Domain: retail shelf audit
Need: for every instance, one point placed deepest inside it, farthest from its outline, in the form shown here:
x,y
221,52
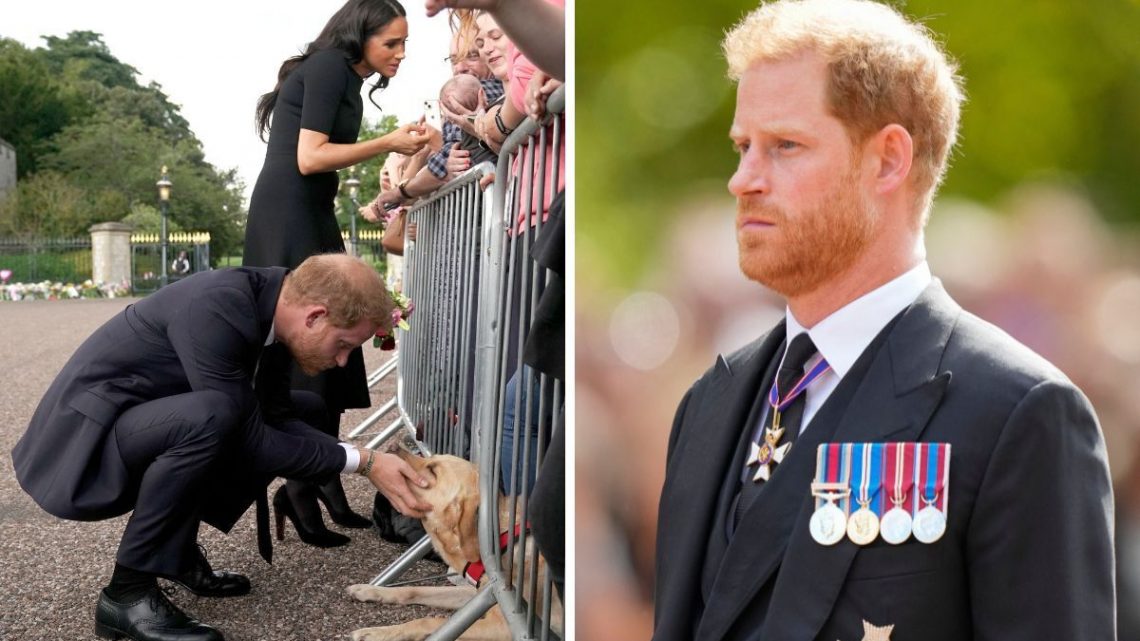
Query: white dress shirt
x,y
843,336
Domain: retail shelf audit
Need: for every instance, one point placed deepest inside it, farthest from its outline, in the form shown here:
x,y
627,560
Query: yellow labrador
x,y
453,493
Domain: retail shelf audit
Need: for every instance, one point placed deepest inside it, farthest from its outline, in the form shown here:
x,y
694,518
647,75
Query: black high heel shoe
x,y
305,516
332,495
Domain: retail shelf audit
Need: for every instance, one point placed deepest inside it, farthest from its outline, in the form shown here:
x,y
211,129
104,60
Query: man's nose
x,y
751,175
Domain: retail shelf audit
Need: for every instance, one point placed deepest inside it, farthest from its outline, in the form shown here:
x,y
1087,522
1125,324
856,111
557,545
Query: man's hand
x,y
392,477
406,140
435,6
458,161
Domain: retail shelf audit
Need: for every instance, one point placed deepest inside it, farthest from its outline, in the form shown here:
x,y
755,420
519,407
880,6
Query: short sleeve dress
x,y
291,216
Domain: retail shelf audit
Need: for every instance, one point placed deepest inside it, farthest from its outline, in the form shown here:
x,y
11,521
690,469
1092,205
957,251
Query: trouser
x,y
548,507
527,417
171,447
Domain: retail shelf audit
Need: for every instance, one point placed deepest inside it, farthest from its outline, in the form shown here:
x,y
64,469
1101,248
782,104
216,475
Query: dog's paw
x,y
384,633
369,593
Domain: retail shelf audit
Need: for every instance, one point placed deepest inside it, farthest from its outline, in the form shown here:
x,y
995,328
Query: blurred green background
x,y
1053,90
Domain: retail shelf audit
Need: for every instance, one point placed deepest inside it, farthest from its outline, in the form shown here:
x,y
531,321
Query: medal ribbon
x,y
866,463
780,404
898,472
933,471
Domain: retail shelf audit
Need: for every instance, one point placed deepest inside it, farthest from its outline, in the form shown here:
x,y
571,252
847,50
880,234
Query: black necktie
x,y
791,371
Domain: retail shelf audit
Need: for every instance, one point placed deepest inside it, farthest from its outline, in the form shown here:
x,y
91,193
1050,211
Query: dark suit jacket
x,y
205,332
1028,549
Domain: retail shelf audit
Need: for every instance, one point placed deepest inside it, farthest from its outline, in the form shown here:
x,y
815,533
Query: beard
x,y
307,354
814,246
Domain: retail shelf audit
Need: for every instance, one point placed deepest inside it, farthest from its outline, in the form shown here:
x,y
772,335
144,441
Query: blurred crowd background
x,y
1037,229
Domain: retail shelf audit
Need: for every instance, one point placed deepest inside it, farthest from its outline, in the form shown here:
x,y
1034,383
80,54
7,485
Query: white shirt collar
x,y
272,338
842,336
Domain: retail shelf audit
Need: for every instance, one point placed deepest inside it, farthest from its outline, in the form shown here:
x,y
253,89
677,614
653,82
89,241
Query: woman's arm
x,y
315,154
537,27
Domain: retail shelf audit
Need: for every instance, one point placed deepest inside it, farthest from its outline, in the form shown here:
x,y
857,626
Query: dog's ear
x,y
462,533
469,526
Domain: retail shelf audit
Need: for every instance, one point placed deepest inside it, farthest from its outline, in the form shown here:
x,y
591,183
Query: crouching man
x,y
179,409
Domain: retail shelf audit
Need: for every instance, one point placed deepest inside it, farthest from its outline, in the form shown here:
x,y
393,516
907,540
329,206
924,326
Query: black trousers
x,y
171,447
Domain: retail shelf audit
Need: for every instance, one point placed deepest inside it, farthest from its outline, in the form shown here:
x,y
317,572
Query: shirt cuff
x,y
352,458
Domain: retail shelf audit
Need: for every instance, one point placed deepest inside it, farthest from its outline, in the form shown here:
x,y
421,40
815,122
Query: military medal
x,y
770,453
863,524
933,463
828,523
896,524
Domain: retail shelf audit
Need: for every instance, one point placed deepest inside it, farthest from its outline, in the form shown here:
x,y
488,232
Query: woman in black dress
x,y
316,112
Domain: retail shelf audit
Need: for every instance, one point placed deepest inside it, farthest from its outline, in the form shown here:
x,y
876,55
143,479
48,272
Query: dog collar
x,y
473,572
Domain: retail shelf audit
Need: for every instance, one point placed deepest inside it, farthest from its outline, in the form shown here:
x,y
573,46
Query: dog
x,y
453,493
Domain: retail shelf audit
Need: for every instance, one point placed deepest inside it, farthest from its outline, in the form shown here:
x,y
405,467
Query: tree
x,y
80,113
84,55
46,204
33,107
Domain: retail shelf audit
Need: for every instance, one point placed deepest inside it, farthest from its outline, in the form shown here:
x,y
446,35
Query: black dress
x,y
291,216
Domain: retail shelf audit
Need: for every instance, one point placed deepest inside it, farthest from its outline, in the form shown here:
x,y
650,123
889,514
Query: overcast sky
x,y
214,58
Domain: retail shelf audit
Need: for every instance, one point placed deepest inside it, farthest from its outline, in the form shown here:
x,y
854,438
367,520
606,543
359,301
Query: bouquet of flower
x,y
400,315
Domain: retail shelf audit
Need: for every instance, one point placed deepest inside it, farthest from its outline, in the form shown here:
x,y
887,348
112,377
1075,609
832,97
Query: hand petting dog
x,y
392,476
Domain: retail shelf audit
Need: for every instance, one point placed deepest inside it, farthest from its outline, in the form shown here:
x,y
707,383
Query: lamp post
x,y
353,185
164,186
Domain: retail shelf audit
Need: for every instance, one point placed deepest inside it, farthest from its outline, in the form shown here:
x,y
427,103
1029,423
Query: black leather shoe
x,y
204,581
151,618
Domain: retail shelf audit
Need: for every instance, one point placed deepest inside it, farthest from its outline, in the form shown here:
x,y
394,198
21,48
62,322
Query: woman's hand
x,y
459,116
538,90
435,6
487,131
407,140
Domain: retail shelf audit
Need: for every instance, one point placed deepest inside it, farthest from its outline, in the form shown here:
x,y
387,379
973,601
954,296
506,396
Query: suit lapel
x,y
707,444
893,401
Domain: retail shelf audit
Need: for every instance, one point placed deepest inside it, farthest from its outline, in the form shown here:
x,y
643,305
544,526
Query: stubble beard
x,y
306,353
817,246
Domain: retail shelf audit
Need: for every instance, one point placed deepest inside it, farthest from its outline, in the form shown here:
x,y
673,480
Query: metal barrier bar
x,y
503,325
470,275
418,551
383,371
373,418
433,365
464,617
441,267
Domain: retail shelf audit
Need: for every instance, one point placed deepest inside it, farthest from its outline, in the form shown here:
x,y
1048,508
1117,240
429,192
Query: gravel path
x,y
51,570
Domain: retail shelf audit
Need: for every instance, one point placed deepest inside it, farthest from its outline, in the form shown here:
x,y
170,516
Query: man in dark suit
x,y
845,116
180,410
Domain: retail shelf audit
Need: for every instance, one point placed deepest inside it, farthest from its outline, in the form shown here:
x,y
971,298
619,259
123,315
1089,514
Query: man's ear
x,y
314,313
892,150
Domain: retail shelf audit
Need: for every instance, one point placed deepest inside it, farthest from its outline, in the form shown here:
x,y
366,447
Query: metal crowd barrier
x,y
526,599
436,364
474,286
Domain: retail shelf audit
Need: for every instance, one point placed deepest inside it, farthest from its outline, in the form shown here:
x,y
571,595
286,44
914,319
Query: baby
x,y
462,95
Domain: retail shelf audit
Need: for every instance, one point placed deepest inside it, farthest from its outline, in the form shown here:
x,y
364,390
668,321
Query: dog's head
x,y
453,494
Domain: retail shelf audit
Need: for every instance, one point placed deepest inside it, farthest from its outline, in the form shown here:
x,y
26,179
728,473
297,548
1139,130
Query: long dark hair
x,y
347,30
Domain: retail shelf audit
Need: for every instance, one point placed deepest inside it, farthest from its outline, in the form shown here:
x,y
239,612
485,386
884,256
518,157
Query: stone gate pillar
x,y
110,252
